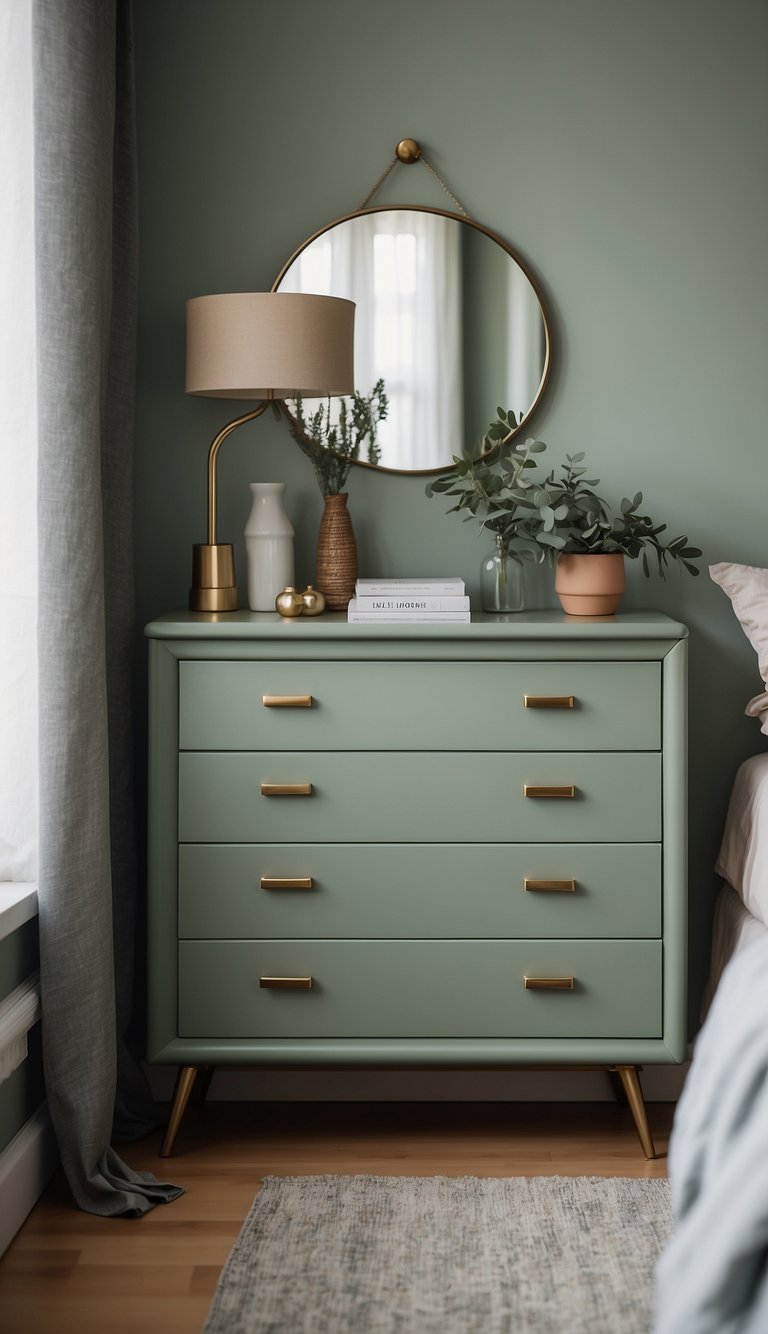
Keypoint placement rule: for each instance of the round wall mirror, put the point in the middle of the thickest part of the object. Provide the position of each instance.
(447, 315)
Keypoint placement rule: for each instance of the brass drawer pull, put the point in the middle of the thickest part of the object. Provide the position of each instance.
(531, 790)
(548, 701)
(287, 701)
(548, 983)
(287, 882)
(286, 789)
(286, 983)
(556, 886)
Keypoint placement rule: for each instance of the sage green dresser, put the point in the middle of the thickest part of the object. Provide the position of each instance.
(453, 845)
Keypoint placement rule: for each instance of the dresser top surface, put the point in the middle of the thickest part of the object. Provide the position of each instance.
(520, 626)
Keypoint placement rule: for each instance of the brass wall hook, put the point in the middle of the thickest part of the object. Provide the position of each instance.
(408, 150)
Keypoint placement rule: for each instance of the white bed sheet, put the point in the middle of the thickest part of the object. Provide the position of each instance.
(743, 858)
(734, 929)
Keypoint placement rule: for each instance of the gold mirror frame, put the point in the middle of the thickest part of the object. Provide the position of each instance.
(493, 236)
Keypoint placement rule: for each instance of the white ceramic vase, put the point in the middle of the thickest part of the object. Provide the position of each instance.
(268, 546)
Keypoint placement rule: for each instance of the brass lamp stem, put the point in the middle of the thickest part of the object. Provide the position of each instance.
(213, 563)
(213, 454)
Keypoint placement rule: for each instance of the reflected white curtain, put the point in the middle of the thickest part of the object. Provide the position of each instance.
(525, 341)
(403, 269)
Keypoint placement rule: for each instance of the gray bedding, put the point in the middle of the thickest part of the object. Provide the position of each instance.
(713, 1276)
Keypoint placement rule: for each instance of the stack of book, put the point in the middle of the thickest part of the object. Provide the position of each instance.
(404, 601)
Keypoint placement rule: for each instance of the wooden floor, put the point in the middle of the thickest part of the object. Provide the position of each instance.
(69, 1271)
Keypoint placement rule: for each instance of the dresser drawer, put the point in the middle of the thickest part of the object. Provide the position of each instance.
(417, 988)
(419, 706)
(413, 797)
(419, 890)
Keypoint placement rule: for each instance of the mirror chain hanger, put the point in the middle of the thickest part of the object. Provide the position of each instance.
(408, 151)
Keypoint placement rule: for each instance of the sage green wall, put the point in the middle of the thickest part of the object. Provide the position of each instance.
(618, 144)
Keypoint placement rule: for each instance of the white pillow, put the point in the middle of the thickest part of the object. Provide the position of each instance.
(747, 587)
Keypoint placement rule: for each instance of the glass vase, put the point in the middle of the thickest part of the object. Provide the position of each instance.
(501, 582)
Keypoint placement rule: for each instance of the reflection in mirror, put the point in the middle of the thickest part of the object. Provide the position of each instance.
(446, 314)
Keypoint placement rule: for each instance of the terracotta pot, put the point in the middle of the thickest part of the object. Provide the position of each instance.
(336, 554)
(590, 585)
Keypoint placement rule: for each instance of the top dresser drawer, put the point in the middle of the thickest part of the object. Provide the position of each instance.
(419, 706)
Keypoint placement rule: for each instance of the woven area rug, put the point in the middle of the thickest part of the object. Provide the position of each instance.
(336, 1254)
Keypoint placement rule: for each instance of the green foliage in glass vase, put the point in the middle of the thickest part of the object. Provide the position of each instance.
(536, 518)
(332, 440)
(491, 481)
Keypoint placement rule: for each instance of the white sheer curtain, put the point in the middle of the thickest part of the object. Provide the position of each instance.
(403, 269)
(18, 452)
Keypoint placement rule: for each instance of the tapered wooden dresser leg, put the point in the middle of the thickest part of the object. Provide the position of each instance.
(185, 1081)
(631, 1084)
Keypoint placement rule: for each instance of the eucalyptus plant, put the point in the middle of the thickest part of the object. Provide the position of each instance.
(490, 482)
(333, 439)
(536, 518)
(565, 514)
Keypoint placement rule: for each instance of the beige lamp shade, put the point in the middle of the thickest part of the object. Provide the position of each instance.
(269, 345)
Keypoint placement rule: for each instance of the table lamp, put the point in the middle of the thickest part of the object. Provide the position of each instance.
(267, 346)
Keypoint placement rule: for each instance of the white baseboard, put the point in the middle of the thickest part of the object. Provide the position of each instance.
(661, 1083)
(26, 1166)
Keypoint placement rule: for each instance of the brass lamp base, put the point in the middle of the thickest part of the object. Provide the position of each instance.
(213, 578)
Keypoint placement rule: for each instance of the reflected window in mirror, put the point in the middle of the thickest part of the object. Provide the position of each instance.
(446, 315)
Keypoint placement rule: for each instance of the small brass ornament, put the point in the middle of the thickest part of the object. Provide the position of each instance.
(289, 602)
(313, 601)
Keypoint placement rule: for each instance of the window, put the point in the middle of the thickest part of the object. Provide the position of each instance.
(18, 451)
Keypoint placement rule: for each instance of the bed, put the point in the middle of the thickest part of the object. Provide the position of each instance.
(741, 909)
(713, 1275)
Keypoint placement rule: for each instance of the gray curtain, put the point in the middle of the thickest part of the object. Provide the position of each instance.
(85, 237)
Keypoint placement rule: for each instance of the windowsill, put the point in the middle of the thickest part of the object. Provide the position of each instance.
(18, 903)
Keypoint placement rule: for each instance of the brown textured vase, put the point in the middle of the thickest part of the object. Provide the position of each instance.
(590, 585)
(336, 554)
